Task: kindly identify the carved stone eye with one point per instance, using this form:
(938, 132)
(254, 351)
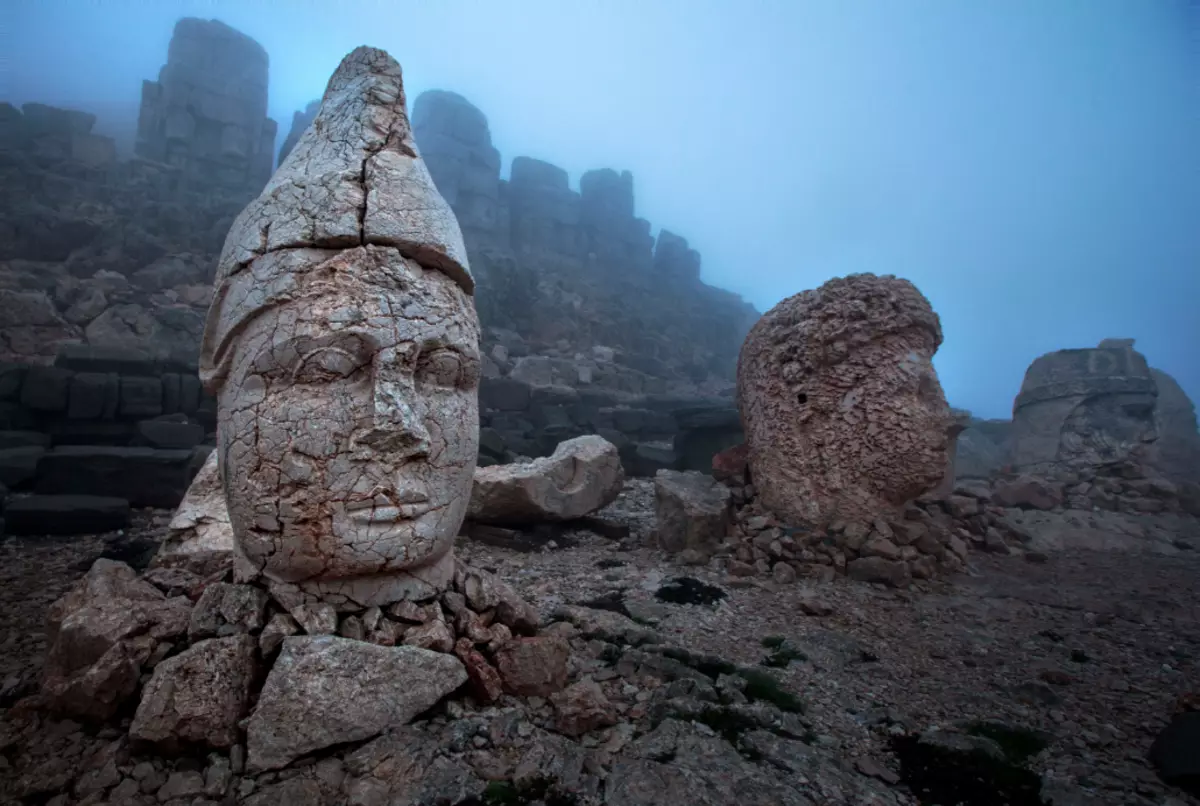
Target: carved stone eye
(441, 368)
(325, 365)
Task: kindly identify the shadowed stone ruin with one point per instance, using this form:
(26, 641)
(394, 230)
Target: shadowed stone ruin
(207, 113)
(844, 415)
(638, 308)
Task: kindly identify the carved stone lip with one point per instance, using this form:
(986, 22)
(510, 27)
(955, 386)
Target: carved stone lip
(390, 514)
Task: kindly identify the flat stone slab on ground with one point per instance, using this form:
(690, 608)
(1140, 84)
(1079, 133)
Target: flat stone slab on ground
(147, 477)
(324, 691)
(65, 515)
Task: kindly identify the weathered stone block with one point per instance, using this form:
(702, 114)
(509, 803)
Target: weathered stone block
(141, 396)
(46, 389)
(146, 477)
(93, 396)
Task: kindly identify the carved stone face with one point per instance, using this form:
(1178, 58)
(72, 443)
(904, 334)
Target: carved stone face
(349, 426)
(843, 412)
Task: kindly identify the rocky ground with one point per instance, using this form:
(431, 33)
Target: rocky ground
(1081, 659)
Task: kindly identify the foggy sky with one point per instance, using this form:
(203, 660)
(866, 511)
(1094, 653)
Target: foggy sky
(1032, 165)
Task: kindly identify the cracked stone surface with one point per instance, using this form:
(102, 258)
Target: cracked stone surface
(843, 411)
(342, 346)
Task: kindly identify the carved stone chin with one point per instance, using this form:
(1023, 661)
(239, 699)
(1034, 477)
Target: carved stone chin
(343, 348)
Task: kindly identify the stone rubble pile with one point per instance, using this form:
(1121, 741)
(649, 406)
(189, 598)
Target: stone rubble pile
(239, 703)
(1119, 487)
(731, 526)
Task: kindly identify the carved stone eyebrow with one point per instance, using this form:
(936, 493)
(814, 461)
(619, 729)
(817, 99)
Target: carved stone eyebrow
(289, 355)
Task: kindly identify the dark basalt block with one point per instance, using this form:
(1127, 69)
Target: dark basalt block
(62, 515)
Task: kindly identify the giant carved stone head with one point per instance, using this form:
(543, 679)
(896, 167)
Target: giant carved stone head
(342, 346)
(844, 416)
(1085, 408)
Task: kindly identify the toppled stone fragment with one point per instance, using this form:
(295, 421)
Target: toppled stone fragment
(325, 690)
(199, 536)
(223, 609)
(692, 509)
(198, 696)
(581, 476)
(582, 707)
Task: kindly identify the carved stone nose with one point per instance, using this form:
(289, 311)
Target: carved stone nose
(397, 441)
(397, 428)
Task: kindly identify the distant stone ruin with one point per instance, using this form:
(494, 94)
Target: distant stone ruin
(207, 112)
(566, 271)
(1085, 408)
(300, 122)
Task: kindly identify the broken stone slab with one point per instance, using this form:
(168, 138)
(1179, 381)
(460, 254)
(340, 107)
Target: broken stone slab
(583, 475)
(161, 433)
(147, 477)
(198, 696)
(23, 439)
(692, 510)
(63, 515)
(100, 633)
(325, 690)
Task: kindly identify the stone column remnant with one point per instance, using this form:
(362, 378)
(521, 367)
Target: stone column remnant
(342, 346)
(207, 113)
(844, 416)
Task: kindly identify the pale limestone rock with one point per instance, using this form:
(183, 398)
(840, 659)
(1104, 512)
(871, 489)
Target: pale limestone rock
(581, 476)
(100, 633)
(843, 411)
(342, 346)
(198, 696)
(324, 691)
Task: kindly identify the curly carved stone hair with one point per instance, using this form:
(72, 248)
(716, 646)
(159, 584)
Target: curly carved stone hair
(823, 326)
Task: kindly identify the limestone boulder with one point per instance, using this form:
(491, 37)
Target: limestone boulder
(325, 690)
(879, 569)
(1028, 492)
(535, 666)
(583, 475)
(100, 633)
(198, 696)
(692, 509)
(843, 412)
